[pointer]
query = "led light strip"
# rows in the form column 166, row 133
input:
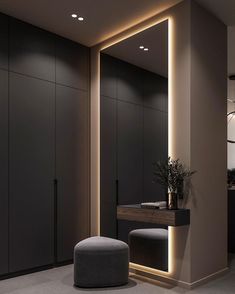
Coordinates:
column 170, row 136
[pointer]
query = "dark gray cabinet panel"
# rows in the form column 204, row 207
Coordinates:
column 108, row 72
column 4, row 171
column 3, row 41
column 130, row 153
column 108, row 154
column 153, row 147
column 133, row 104
column 72, row 61
column 153, row 90
column 164, row 136
column 32, row 128
column 71, row 169
column 32, row 51
column 164, row 90
column 130, row 83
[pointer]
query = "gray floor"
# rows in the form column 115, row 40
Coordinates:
column 60, row 281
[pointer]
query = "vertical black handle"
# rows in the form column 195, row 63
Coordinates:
column 55, row 218
column 117, row 191
column 55, row 187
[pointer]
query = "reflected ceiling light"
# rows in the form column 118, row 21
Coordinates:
column 146, row 49
column 80, row 18
column 74, row 15
column 141, row 47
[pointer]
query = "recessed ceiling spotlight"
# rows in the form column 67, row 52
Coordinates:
column 141, row 47
column 146, row 49
column 74, row 15
column 80, row 18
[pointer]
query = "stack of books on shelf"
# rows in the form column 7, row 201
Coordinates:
column 154, row 205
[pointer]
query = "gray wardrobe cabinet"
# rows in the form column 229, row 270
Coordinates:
column 44, row 203
column 133, row 136
column 3, row 171
column 108, row 171
column 71, row 170
column 31, row 172
column 130, row 152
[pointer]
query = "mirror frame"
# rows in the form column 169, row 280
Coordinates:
column 95, row 206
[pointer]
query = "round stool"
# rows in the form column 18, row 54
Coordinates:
column 149, row 247
column 101, row 262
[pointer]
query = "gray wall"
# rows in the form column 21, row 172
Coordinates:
column 133, row 135
column 208, row 142
column 44, row 133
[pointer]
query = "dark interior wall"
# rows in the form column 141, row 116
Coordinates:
column 134, row 134
column 231, row 221
column 4, row 144
column 44, row 132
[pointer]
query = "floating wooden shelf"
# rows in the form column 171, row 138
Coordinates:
column 179, row 217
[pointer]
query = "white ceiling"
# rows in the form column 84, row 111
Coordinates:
column 103, row 18
column 155, row 39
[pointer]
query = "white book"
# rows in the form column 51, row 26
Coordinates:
column 158, row 204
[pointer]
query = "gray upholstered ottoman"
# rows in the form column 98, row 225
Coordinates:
column 149, row 247
column 101, row 262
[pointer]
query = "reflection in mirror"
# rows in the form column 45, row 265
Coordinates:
column 134, row 134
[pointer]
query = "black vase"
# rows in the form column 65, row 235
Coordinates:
column 172, row 202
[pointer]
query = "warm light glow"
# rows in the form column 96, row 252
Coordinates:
column 170, row 87
column 170, row 131
column 170, row 249
column 154, row 271
column 74, row 15
column 105, row 45
column 146, row 269
column 170, row 134
column 80, row 18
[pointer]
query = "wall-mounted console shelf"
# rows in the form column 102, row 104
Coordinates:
column 179, row 217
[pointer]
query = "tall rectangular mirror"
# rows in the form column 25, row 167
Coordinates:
column 134, row 135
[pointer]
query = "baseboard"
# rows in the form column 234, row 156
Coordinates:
column 25, row 272
column 174, row 282
column 34, row 270
column 63, row 263
column 208, row 278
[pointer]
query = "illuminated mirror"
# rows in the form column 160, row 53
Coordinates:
column 134, row 135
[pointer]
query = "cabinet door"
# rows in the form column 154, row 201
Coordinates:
column 130, row 153
column 108, row 75
column 165, row 135
column 154, row 143
column 72, row 64
column 31, row 151
column 108, row 167
column 130, row 83
column 4, row 171
column 32, row 51
column 71, row 169
column 3, row 41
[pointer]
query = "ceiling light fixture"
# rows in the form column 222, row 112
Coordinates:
column 146, row 49
column 141, row 47
column 74, row 15
column 80, row 18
